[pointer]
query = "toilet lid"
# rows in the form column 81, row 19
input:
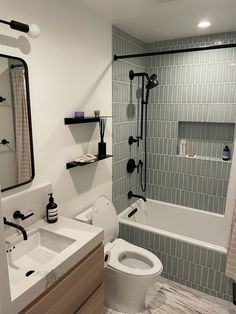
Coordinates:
column 104, row 216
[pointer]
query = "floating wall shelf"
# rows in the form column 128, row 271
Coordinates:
column 73, row 164
column 84, row 120
column 81, row 120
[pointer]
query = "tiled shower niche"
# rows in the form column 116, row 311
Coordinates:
column 205, row 139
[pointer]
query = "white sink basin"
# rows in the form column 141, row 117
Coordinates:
column 50, row 251
column 27, row 257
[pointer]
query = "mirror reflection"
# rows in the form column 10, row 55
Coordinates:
column 16, row 149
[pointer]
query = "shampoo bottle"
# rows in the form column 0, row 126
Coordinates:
column 182, row 149
column 226, row 153
column 51, row 210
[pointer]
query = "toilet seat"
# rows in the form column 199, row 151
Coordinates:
column 124, row 256
column 122, row 249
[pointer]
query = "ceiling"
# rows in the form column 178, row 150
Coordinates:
column 153, row 20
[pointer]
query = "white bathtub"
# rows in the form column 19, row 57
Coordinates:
column 194, row 226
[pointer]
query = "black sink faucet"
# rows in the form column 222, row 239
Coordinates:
column 130, row 195
column 12, row 224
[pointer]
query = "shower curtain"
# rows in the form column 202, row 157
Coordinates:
column 231, row 208
column 22, row 140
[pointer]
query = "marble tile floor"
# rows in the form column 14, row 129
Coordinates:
column 173, row 298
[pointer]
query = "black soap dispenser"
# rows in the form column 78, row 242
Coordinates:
column 51, row 210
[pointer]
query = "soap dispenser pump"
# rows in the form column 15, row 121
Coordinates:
column 51, row 210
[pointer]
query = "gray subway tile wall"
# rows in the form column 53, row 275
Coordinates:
column 125, row 107
column 196, row 267
column 196, row 97
column 196, row 100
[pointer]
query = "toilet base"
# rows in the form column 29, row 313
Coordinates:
column 124, row 292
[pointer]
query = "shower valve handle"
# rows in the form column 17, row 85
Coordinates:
column 132, row 140
column 131, row 166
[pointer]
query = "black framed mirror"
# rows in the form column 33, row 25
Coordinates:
column 16, row 142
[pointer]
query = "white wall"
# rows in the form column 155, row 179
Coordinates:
column 69, row 70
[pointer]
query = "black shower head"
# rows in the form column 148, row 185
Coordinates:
column 152, row 81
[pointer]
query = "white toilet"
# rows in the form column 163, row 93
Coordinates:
column 131, row 270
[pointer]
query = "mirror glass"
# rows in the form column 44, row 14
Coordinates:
column 16, row 146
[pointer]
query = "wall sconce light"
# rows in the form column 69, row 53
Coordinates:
column 33, row 30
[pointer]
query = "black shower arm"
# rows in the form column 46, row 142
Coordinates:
column 143, row 74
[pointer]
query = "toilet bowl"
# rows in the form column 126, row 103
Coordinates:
column 131, row 270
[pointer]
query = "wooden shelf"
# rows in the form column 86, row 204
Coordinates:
column 81, row 120
column 73, row 164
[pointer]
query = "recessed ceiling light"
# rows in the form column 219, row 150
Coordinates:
column 204, row 24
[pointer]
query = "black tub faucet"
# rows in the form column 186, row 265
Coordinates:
column 130, row 195
column 12, row 224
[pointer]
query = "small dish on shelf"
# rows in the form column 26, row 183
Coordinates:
column 88, row 158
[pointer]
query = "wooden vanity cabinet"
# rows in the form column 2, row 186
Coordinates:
column 79, row 291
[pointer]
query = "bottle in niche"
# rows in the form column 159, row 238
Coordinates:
column 51, row 210
column 183, row 147
column 226, row 153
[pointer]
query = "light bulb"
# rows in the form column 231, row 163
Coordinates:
column 34, row 30
column 204, row 24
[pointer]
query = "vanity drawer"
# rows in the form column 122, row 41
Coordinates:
column 72, row 291
column 95, row 304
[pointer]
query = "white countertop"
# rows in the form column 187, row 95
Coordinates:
column 86, row 238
